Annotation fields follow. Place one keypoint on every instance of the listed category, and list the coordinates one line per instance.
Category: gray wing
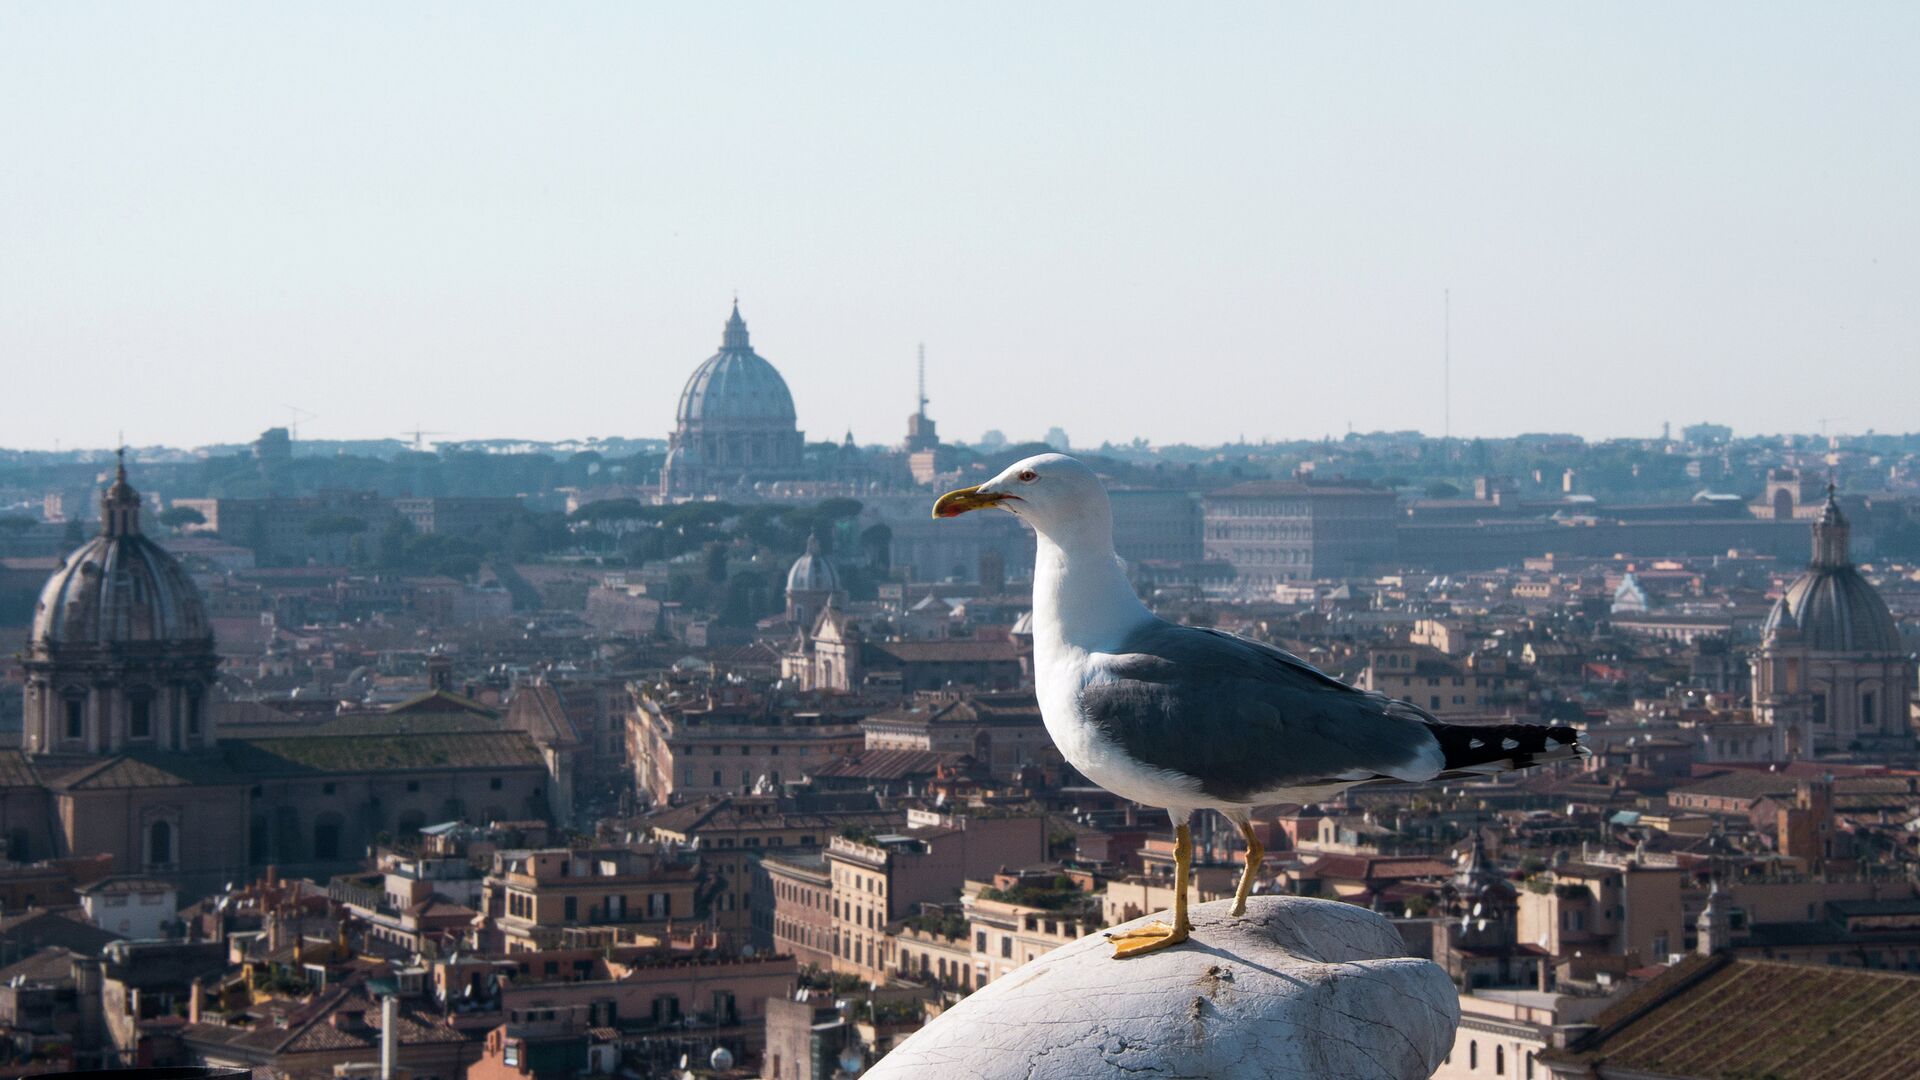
(1245, 718)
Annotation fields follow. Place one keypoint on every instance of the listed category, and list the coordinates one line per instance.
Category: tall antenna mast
(1446, 364)
(923, 379)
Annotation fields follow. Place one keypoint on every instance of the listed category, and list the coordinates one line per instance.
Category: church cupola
(122, 654)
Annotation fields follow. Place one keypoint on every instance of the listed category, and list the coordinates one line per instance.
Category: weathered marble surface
(1298, 988)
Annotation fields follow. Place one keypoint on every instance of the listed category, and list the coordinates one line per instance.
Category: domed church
(120, 754)
(812, 584)
(735, 425)
(122, 653)
(1832, 671)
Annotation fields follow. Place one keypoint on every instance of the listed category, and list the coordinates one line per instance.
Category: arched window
(1499, 1061)
(160, 844)
(1473, 1054)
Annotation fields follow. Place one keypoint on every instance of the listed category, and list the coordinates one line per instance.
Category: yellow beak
(955, 503)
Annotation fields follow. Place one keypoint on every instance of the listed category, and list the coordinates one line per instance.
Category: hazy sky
(1187, 222)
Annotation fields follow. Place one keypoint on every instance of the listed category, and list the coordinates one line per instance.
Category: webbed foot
(1145, 939)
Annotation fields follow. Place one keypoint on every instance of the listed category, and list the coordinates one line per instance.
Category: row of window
(788, 891)
(612, 909)
(802, 934)
(980, 944)
(858, 950)
(139, 715)
(1458, 680)
(1262, 508)
(1261, 532)
(1499, 1061)
(806, 840)
(1271, 557)
(868, 917)
(951, 973)
(1869, 712)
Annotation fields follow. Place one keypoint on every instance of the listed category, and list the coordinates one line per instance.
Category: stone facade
(1274, 532)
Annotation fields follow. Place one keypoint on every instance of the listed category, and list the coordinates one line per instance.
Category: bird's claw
(1145, 939)
(1150, 930)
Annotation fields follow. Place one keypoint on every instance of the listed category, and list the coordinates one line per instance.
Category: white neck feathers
(1081, 597)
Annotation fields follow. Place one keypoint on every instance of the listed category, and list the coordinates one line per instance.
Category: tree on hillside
(178, 518)
(330, 528)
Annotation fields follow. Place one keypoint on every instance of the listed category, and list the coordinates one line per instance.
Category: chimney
(389, 1034)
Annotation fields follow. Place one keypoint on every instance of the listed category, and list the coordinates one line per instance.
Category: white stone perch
(1298, 988)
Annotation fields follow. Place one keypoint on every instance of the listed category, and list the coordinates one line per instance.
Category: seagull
(1186, 718)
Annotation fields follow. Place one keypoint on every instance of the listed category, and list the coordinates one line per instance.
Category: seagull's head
(1054, 493)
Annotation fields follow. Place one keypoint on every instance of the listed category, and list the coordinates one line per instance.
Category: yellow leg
(1254, 854)
(1158, 935)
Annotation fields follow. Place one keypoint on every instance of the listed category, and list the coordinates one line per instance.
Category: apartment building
(542, 899)
(877, 879)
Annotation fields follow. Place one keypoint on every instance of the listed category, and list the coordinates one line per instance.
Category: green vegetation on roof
(386, 753)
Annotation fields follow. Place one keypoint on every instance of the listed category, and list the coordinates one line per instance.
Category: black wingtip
(1514, 746)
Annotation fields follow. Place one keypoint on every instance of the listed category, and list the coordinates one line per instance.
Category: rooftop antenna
(1446, 363)
(923, 379)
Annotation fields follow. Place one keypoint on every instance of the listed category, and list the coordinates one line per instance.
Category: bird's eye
(1028, 476)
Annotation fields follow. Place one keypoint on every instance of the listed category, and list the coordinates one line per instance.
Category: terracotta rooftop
(1722, 1017)
(885, 764)
(383, 753)
(966, 650)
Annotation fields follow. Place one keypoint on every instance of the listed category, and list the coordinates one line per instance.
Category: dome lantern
(1831, 535)
(120, 504)
(735, 334)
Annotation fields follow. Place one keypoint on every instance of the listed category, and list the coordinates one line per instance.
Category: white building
(138, 907)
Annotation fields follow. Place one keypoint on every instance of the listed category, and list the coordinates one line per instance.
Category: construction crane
(420, 438)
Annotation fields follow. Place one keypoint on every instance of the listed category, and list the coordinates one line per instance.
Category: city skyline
(105, 452)
(215, 217)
